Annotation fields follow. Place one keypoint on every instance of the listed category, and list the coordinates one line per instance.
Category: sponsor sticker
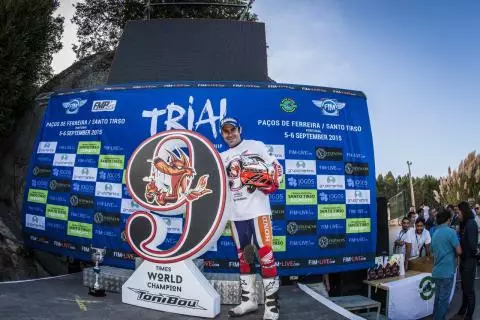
(56, 212)
(358, 225)
(64, 159)
(301, 182)
(37, 196)
(329, 154)
(303, 167)
(279, 244)
(332, 241)
(356, 169)
(104, 105)
(89, 147)
(110, 161)
(358, 196)
(129, 206)
(301, 227)
(79, 229)
(330, 182)
(48, 147)
(331, 196)
(109, 190)
(301, 197)
(331, 211)
(276, 150)
(34, 221)
(85, 174)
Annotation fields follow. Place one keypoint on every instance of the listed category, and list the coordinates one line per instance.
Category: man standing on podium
(252, 174)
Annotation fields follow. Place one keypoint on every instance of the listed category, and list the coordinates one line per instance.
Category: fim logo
(329, 107)
(292, 182)
(72, 106)
(165, 299)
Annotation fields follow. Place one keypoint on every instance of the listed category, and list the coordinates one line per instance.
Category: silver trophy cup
(97, 259)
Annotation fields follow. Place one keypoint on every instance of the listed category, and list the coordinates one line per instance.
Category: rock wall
(16, 261)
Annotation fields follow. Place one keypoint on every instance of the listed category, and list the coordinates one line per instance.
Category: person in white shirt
(399, 243)
(426, 211)
(417, 239)
(252, 174)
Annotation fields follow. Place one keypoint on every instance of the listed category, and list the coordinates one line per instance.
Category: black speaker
(382, 227)
(190, 49)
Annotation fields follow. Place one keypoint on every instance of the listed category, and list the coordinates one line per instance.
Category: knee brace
(245, 267)
(267, 262)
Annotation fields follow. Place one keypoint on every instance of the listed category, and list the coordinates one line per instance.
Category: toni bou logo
(173, 172)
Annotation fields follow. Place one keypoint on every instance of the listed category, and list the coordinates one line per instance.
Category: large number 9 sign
(175, 172)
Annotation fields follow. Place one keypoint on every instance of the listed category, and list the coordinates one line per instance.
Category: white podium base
(176, 287)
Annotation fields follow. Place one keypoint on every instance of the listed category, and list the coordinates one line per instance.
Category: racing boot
(271, 287)
(249, 302)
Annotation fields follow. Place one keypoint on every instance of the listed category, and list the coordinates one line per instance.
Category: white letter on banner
(211, 117)
(191, 114)
(172, 123)
(154, 115)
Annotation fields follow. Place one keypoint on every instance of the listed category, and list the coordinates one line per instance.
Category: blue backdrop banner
(324, 214)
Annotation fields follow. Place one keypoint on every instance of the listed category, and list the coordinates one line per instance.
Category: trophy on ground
(97, 258)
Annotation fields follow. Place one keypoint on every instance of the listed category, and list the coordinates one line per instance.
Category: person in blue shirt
(445, 245)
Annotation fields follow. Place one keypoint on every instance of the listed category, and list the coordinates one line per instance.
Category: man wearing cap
(252, 174)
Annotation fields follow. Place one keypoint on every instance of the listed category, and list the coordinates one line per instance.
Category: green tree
(380, 186)
(101, 22)
(29, 36)
(461, 184)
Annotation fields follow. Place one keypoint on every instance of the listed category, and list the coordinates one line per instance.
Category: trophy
(97, 258)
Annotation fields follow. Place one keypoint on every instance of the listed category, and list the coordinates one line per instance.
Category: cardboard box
(423, 264)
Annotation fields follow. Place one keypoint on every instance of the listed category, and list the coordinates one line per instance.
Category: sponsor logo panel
(34, 221)
(109, 190)
(332, 241)
(59, 185)
(86, 161)
(64, 159)
(301, 213)
(47, 147)
(301, 167)
(84, 174)
(278, 212)
(45, 159)
(329, 154)
(357, 183)
(174, 225)
(276, 150)
(330, 196)
(356, 169)
(358, 225)
(305, 242)
(129, 206)
(58, 198)
(104, 105)
(37, 196)
(110, 175)
(330, 182)
(358, 196)
(106, 219)
(301, 197)
(62, 172)
(277, 197)
(279, 244)
(360, 239)
(39, 183)
(331, 226)
(300, 153)
(56, 212)
(301, 227)
(79, 229)
(80, 201)
(110, 161)
(85, 188)
(279, 228)
(332, 211)
(108, 204)
(41, 171)
(329, 167)
(89, 147)
(301, 182)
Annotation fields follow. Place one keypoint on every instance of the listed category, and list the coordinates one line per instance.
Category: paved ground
(67, 298)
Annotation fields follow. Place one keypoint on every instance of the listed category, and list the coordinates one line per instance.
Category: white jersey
(417, 241)
(246, 164)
